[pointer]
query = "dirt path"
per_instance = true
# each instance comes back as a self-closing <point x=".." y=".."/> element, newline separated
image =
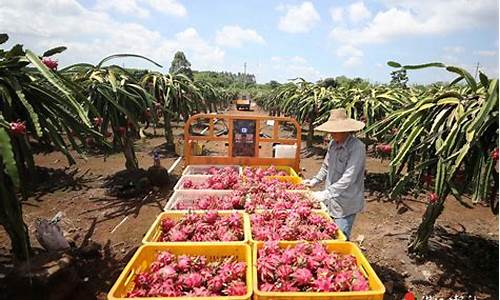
<point x="463" y="259"/>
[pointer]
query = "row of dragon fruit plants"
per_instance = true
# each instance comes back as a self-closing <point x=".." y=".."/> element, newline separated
<point x="234" y="206"/>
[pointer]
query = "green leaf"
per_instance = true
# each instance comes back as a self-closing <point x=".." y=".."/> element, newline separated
<point x="487" y="107"/>
<point x="127" y="55"/>
<point x="393" y="64"/>
<point x="422" y="66"/>
<point x="54" y="51"/>
<point x="7" y="155"/>
<point x="3" y="38"/>
<point x="57" y="83"/>
<point x="405" y="148"/>
<point x="468" y="77"/>
<point x="484" y="80"/>
<point x="17" y="50"/>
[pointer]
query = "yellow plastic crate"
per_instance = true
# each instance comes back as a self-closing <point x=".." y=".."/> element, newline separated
<point x="376" y="291"/>
<point x="340" y="234"/>
<point x="154" y="231"/>
<point x="292" y="176"/>
<point x="146" y="254"/>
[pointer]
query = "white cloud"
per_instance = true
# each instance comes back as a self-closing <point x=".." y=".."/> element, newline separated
<point x="352" y="55"/>
<point x="235" y="36"/>
<point x="485" y="52"/>
<point x="170" y="7"/>
<point x="284" y="68"/>
<point x="454" y="49"/>
<point x="130" y="7"/>
<point x="358" y="12"/>
<point x="298" y="18"/>
<point x="90" y="34"/>
<point x="337" y="14"/>
<point x="137" y="7"/>
<point x="353" y="61"/>
<point x="420" y="18"/>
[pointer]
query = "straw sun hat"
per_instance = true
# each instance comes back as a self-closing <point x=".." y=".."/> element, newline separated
<point x="339" y="122"/>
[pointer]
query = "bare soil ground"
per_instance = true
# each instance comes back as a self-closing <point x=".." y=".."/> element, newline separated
<point x="462" y="261"/>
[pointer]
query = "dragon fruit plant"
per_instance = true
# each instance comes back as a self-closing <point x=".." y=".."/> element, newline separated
<point x="192" y="276"/>
<point x="199" y="227"/>
<point x="292" y="225"/>
<point x="307" y="267"/>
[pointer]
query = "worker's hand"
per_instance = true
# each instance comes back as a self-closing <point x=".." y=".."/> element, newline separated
<point x="310" y="182"/>
<point x="321" y="196"/>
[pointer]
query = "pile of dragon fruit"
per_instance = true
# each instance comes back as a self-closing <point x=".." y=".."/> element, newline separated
<point x="179" y="276"/>
<point x="227" y="180"/>
<point x="213" y="202"/>
<point x="250" y="198"/>
<point x="307" y="267"/>
<point x="259" y="173"/>
<point x="270" y="194"/>
<point x="292" y="225"/>
<point x="199" y="227"/>
<point x="218" y="171"/>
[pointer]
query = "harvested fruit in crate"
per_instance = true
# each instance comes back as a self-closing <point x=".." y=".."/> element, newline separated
<point x="256" y="196"/>
<point x="175" y="276"/>
<point x="292" y="225"/>
<point x="199" y="227"/>
<point x="307" y="267"/>
<point x="218" y="171"/>
<point x="274" y="194"/>
<point x="213" y="202"/>
<point x="258" y="173"/>
<point x="222" y="181"/>
<point x="268" y="184"/>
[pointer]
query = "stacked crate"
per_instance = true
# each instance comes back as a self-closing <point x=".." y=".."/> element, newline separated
<point x="179" y="205"/>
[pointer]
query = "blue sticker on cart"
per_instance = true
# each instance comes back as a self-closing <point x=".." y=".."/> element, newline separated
<point x="244" y="130"/>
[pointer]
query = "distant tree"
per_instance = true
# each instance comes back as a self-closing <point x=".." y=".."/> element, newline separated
<point x="180" y="64"/>
<point x="328" y="82"/>
<point x="274" y="84"/>
<point x="399" y="78"/>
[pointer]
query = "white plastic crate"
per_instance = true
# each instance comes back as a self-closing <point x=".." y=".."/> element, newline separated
<point x="187" y="197"/>
<point x="199" y="169"/>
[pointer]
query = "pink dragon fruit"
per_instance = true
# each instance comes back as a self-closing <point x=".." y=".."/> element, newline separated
<point x="209" y="226"/>
<point x="190" y="276"/>
<point x="50" y="63"/>
<point x="302" y="276"/>
<point x="216" y="284"/>
<point x="284" y="271"/>
<point x="266" y="287"/>
<point x="183" y="263"/>
<point x="192" y="280"/>
<point x="307" y="267"/>
<point x="236" y="288"/>
<point x="323" y="284"/>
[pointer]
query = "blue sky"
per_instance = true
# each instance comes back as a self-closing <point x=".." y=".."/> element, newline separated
<point x="277" y="39"/>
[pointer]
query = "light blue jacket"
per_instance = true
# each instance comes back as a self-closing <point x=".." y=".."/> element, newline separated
<point x="344" y="171"/>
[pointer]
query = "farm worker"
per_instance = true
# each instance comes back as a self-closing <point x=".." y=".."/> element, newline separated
<point x="342" y="170"/>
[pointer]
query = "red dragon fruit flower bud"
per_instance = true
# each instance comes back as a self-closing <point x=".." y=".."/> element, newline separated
<point x="494" y="154"/>
<point x="50" y="63"/>
<point x="18" y="128"/>
<point x="433" y="197"/>
<point x="122" y="131"/>
<point x="98" y="121"/>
